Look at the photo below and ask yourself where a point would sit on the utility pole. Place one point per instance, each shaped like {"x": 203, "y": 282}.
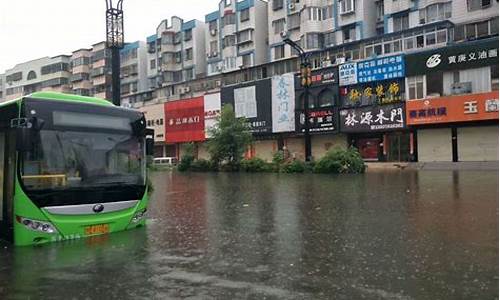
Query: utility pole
{"x": 305, "y": 81}
{"x": 114, "y": 42}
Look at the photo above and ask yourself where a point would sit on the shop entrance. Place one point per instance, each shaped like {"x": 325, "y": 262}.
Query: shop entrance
{"x": 369, "y": 148}
{"x": 398, "y": 146}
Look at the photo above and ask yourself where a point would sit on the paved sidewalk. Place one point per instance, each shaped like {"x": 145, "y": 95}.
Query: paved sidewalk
{"x": 473, "y": 165}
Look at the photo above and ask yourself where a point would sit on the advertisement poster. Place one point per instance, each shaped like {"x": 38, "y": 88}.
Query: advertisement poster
{"x": 212, "y": 111}
{"x": 254, "y": 103}
{"x": 283, "y": 103}
{"x": 320, "y": 120}
{"x": 185, "y": 121}
{"x": 381, "y": 69}
{"x": 348, "y": 74}
{"x": 372, "y": 118}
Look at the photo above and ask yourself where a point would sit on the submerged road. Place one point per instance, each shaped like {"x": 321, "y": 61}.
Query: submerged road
{"x": 380, "y": 235}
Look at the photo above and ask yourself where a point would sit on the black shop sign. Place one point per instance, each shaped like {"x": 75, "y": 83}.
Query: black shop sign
{"x": 320, "y": 120}
{"x": 373, "y": 118}
{"x": 457, "y": 57}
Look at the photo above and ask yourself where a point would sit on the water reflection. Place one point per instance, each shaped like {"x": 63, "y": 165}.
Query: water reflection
{"x": 229, "y": 236}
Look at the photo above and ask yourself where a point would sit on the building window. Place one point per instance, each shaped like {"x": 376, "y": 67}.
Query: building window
{"x": 212, "y": 26}
{"x": 293, "y": 21}
{"x": 326, "y": 98}
{"x": 228, "y": 19}
{"x": 177, "y": 38}
{"x": 278, "y": 25}
{"x": 434, "y": 84}
{"x": 473, "y": 5}
{"x": 494, "y": 77}
{"x": 167, "y": 38}
{"x": 178, "y": 57}
{"x": 31, "y": 75}
{"x": 315, "y": 13}
{"x": 188, "y": 35}
{"x": 415, "y": 87}
{"x": 379, "y": 6}
{"x": 246, "y": 60}
{"x": 189, "y": 54}
{"x": 313, "y": 41}
{"x": 213, "y": 48}
{"x": 245, "y": 36}
{"x": 349, "y": 34}
{"x": 152, "y": 64}
{"x": 245, "y": 15}
{"x": 346, "y": 6}
{"x": 189, "y": 74}
{"x": 277, "y": 4}
{"x": 435, "y": 12}
{"x": 228, "y": 41}
{"x": 476, "y": 30}
{"x": 279, "y": 52}
{"x": 57, "y": 67}
{"x": 329, "y": 39}
{"x": 401, "y": 23}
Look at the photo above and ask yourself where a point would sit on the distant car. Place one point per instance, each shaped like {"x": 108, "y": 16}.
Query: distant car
{"x": 165, "y": 161}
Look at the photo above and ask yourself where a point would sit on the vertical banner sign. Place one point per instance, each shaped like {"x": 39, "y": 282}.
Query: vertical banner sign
{"x": 348, "y": 74}
{"x": 245, "y": 103}
{"x": 212, "y": 111}
{"x": 283, "y": 103}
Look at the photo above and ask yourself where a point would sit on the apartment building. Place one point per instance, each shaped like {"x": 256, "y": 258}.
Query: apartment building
{"x": 153, "y": 61}
{"x": 180, "y": 48}
{"x": 133, "y": 68}
{"x": 80, "y": 72}
{"x": 236, "y": 36}
{"x": 48, "y": 73}
{"x": 2, "y": 80}
{"x": 100, "y": 73}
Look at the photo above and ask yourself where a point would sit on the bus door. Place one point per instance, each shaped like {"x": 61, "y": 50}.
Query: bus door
{"x": 7, "y": 174}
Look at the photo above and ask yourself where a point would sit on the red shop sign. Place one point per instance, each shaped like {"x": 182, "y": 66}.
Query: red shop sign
{"x": 185, "y": 121}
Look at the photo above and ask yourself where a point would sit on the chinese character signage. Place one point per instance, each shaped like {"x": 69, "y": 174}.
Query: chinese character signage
{"x": 252, "y": 101}
{"x": 320, "y": 120}
{"x": 283, "y": 103}
{"x": 460, "y": 56}
{"x": 184, "y": 121}
{"x": 380, "y": 92}
{"x": 322, "y": 76}
{"x": 383, "y": 68}
{"x": 348, "y": 74}
{"x": 461, "y": 108}
{"x": 212, "y": 111}
{"x": 372, "y": 118}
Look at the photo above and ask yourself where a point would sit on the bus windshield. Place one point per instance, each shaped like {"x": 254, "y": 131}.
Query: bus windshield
{"x": 79, "y": 159}
{"x": 83, "y": 154}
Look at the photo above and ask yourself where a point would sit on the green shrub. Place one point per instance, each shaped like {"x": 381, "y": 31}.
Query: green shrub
{"x": 295, "y": 166}
{"x": 185, "y": 163}
{"x": 255, "y": 164}
{"x": 340, "y": 161}
{"x": 201, "y": 165}
{"x": 279, "y": 157}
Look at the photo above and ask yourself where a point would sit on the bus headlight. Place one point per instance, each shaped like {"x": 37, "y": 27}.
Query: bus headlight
{"x": 36, "y": 225}
{"x": 139, "y": 216}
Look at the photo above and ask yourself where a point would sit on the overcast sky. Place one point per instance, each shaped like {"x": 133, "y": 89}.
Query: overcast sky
{"x": 30, "y": 29}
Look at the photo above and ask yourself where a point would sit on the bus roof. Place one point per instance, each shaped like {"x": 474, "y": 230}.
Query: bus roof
{"x": 63, "y": 97}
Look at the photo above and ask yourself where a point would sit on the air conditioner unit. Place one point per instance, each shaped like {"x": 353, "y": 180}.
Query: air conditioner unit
{"x": 291, "y": 6}
{"x": 284, "y": 34}
{"x": 214, "y": 54}
{"x": 220, "y": 68}
{"x": 461, "y": 88}
{"x": 209, "y": 54}
{"x": 213, "y": 32}
{"x": 218, "y": 83}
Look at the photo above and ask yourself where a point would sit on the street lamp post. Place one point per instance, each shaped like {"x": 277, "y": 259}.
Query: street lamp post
{"x": 114, "y": 42}
{"x": 305, "y": 80}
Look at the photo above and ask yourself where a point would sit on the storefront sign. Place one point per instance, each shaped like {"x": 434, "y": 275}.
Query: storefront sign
{"x": 185, "y": 121}
{"x": 381, "y": 92}
{"x": 381, "y": 69}
{"x": 321, "y": 76}
{"x": 461, "y": 108}
{"x": 252, "y": 101}
{"x": 460, "y": 56}
{"x": 320, "y": 120}
{"x": 283, "y": 103}
{"x": 155, "y": 118}
{"x": 372, "y": 118}
{"x": 212, "y": 111}
{"x": 348, "y": 74}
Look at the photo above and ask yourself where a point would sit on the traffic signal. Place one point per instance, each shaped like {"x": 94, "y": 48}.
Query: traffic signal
{"x": 305, "y": 74}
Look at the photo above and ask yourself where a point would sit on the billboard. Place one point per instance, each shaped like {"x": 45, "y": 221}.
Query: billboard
{"x": 283, "y": 103}
{"x": 449, "y": 109}
{"x": 212, "y": 108}
{"x": 251, "y": 100}
{"x": 372, "y": 118}
{"x": 320, "y": 120}
{"x": 348, "y": 74}
{"x": 383, "y": 68}
{"x": 185, "y": 121}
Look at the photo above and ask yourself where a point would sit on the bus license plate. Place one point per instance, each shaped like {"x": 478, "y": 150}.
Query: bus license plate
{"x": 97, "y": 229}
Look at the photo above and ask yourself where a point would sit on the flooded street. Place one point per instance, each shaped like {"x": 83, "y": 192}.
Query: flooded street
{"x": 380, "y": 235}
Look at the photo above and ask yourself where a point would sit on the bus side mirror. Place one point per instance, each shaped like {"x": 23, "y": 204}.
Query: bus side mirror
{"x": 150, "y": 141}
{"x": 24, "y": 139}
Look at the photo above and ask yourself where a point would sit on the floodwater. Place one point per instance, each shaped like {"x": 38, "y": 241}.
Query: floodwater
{"x": 380, "y": 235}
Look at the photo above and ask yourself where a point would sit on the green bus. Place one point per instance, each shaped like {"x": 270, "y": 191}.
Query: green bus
{"x": 70, "y": 167}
